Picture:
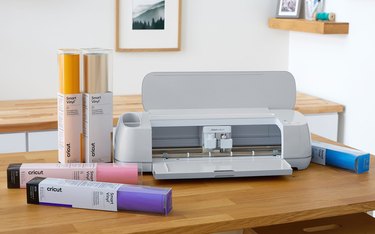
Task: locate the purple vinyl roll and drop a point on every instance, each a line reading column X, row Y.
column 143, row 198
column 98, row 195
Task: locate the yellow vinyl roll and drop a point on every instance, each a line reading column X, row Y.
column 69, row 80
column 95, row 72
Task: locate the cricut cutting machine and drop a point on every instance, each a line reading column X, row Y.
column 215, row 124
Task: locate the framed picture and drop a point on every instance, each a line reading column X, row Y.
column 147, row 25
column 288, row 8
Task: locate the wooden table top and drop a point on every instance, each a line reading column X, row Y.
column 200, row 206
column 40, row 115
column 307, row 104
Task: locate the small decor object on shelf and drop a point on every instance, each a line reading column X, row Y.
column 313, row 7
column 288, row 8
column 324, row 16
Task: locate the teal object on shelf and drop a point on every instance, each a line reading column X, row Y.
column 324, row 16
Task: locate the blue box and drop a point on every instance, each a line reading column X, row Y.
column 342, row 157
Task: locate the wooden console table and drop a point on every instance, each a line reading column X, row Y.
column 199, row 206
column 41, row 114
column 30, row 125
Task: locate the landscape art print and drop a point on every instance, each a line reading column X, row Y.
column 147, row 25
column 148, row 14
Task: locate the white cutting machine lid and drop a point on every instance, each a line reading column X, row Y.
column 199, row 90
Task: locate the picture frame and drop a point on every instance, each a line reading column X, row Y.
column 147, row 25
column 288, row 8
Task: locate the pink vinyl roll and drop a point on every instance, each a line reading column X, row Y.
column 19, row 174
column 117, row 173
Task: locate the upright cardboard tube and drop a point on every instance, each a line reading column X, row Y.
column 69, row 107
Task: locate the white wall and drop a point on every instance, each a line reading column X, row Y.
column 216, row 35
column 342, row 69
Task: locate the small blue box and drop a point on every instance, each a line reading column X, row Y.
column 342, row 157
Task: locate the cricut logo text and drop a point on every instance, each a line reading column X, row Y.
column 68, row 150
column 34, row 172
column 92, row 149
column 53, row 189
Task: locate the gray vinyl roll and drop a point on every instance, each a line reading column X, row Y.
column 95, row 72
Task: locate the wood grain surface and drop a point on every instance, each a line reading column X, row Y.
column 311, row 26
column 199, row 206
column 307, row 104
column 40, row 115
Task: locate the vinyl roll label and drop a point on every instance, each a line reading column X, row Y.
column 76, row 194
column 69, row 127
